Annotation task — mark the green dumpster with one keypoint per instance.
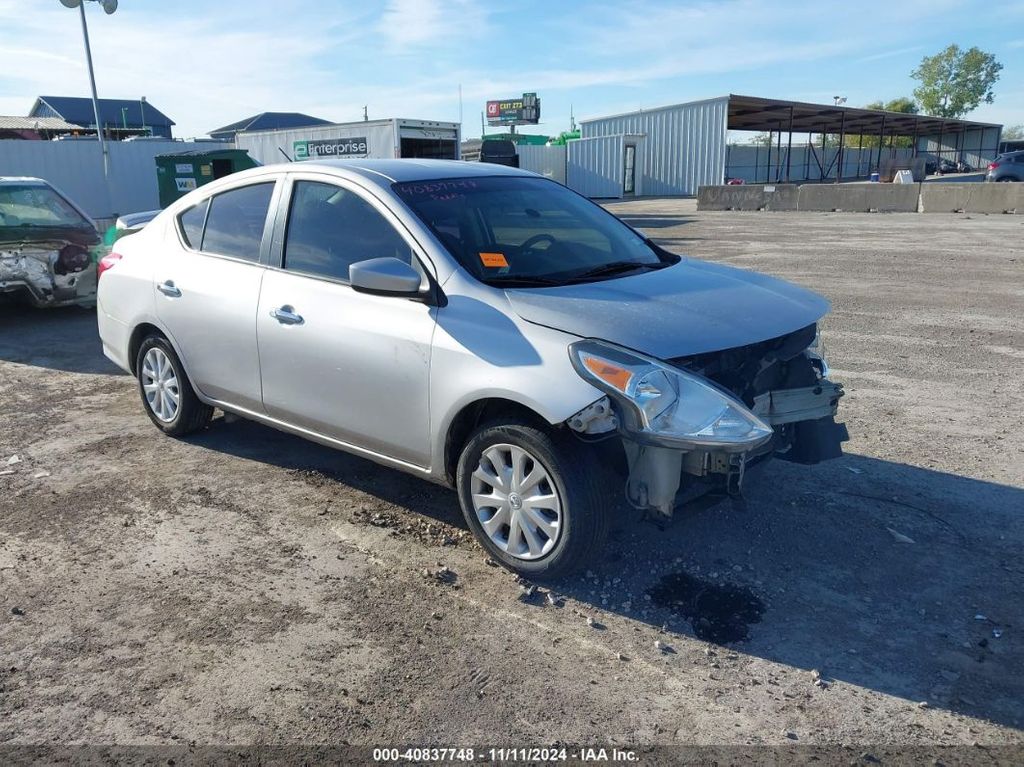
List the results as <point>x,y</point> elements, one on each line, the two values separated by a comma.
<point>178,174</point>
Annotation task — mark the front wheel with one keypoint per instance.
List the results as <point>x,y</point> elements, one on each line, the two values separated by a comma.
<point>533,498</point>
<point>167,395</point>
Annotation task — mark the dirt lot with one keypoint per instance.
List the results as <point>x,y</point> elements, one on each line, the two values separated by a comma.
<point>247,587</point>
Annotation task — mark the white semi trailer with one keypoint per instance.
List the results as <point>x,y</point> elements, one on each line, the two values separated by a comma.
<point>378,139</point>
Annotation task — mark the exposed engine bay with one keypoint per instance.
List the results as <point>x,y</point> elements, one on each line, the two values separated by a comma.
<point>783,381</point>
<point>53,272</point>
<point>48,245</point>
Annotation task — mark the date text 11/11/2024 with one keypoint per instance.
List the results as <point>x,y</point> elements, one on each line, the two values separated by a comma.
<point>535,754</point>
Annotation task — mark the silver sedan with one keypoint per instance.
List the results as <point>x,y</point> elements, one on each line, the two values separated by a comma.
<point>476,325</point>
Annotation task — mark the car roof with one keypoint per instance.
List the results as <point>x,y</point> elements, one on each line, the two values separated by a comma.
<point>23,180</point>
<point>406,170</point>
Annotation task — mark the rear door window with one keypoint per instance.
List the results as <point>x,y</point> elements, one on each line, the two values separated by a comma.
<point>330,228</point>
<point>235,223</point>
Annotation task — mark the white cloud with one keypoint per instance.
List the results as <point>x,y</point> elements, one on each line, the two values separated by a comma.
<point>206,64</point>
<point>895,52</point>
<point>409,24</point>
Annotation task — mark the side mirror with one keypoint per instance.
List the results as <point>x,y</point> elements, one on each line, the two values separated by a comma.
<point>385,277</point>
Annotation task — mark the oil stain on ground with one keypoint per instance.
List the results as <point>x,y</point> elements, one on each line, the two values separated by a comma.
<point>717,613</point>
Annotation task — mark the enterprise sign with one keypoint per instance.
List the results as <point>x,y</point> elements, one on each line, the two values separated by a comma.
<point>331,147</point>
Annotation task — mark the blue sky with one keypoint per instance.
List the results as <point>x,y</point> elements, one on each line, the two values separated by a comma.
<point>209,63</point>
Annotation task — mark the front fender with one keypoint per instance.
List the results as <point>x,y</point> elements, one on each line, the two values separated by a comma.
<point>481,353</point>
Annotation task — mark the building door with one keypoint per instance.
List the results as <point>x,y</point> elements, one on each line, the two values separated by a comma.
<point>629,169</point>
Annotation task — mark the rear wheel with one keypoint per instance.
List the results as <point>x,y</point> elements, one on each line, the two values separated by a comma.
<point>169,399</point>
<point>533,498</point>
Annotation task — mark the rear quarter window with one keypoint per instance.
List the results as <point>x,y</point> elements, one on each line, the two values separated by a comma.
<point>191,223</point>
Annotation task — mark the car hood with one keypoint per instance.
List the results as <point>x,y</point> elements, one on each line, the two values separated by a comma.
<point>25,235</point>
<point>688,308</point>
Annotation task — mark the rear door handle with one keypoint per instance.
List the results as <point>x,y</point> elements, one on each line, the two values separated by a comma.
<point>286,315</point>
<point>168,288</point>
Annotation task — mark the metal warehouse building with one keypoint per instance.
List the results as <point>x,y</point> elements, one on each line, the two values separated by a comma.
<point>675,149</point>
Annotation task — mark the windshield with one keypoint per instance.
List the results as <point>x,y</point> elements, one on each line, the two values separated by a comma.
<point>509,230</point>
<point>38,206</point>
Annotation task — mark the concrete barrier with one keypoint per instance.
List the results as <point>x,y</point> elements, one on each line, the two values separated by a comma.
<point>748,197</point>
<point>947,197</point>
<point>883,198</point>
<point>972,198</point>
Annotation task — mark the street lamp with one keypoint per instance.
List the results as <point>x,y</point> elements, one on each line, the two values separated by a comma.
<point>839,100</point>
<point>109,6</point>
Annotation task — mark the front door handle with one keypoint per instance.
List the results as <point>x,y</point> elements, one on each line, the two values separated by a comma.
<point>168,288</point>
<point>286,315</point>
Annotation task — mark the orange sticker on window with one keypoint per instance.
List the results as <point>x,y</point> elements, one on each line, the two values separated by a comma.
<point>493,259</point>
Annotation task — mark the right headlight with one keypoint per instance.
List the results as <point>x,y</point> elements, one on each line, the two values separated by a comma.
<point>816,354</point>
<point>665,405</point>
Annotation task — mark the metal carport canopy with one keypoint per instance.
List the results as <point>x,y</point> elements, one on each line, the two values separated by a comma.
<point>758,114</point>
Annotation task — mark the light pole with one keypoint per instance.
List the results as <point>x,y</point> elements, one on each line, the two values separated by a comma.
<point>109,6</point>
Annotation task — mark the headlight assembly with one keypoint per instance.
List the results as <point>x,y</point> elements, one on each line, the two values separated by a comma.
<point>667,406</point>
<point>816,354</point>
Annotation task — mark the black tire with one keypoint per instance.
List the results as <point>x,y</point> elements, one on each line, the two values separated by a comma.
<point>576,475</point>
<point>192,414</point>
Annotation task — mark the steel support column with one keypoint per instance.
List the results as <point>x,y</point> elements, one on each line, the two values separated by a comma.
<point>938,145</point>
<point>842,138</point>
<point>821,176</point>
<point>778,155</point>
<point>789,144</point>
<point>881,136</point>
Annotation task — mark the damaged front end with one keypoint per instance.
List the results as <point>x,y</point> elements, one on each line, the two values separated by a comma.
<point>694,424</point>
<point>50,269</point>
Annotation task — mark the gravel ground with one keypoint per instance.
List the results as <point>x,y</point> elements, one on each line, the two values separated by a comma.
<point>246,587</point>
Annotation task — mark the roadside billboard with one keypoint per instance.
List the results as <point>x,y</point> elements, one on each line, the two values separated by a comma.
<point>524,110</point>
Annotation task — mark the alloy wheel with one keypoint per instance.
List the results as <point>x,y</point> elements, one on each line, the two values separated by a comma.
<point>160,384</point>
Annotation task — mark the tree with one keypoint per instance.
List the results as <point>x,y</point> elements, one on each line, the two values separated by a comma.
<point>1013,133</point>
<point>953,81</point>
<point>901,104</point>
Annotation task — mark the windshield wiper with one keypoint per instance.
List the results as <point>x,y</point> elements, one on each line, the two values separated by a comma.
<point>615,267</point>
<point>524,281</point>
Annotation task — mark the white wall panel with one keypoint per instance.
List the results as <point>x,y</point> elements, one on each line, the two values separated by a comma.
<point>548,161</point>
<point>76,168</point>
<point>594,166</point>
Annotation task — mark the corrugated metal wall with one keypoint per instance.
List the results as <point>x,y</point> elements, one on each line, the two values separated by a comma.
<point>548,161</point>
<point>594,166</point>
<point>683,146</point>
<point>754,165</point>
<point>76,168</point>
<point>977,147</point>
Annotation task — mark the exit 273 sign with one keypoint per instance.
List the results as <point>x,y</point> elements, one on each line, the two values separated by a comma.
<point>519,111</point>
